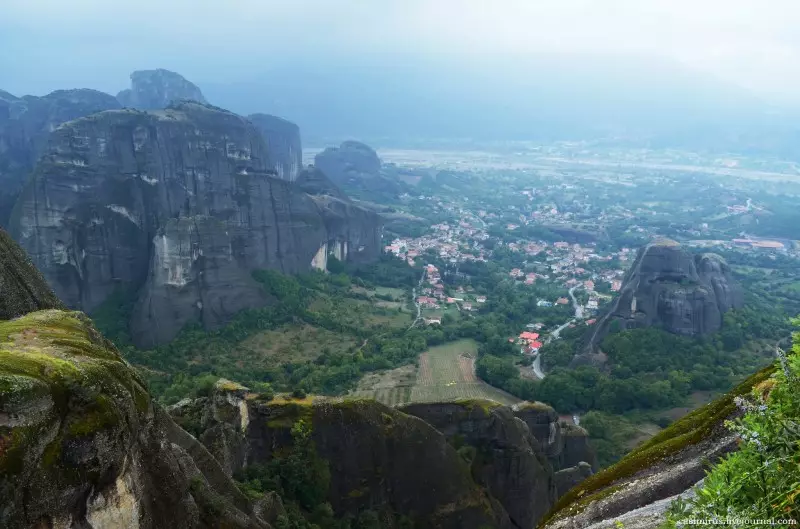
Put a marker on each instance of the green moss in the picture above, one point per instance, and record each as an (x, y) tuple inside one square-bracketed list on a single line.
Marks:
[(286, 414), (79, 380), (101, 416), (483, 404), (691, 429)]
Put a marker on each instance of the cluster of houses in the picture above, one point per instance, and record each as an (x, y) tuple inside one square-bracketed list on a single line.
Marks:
[(530, 342)]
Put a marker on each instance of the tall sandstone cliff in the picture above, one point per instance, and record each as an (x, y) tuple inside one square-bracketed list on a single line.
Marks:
[(155, 89), (669, 288), (283, 142), (181, 205), (82, 444), (25, 125)]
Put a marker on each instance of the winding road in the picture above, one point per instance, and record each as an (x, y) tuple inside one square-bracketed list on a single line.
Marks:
[(537, 362), (414, 299)]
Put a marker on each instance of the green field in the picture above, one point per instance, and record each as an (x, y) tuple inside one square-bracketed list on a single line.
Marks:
[(444, 373)]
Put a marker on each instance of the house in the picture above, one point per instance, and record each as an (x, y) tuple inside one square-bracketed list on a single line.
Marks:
[(433, 321), (589, 284), (591, 322), (467, 306), (544, 303), (451, 300), (616, 285), (481, 299), (562, 301), (592, 304), (528, 337)]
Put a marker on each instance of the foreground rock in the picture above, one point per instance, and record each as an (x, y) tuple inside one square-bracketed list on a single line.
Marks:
[(81, 442), (181, 206), (378, 457), (155, 89), (25, 125), (356, 167), (672, 289), (638, 490)]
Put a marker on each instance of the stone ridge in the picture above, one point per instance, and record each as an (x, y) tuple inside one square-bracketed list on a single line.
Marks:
[(669, 288), (181, 205)]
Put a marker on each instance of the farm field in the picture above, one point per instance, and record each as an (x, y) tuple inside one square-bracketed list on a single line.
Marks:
[(444, 373)]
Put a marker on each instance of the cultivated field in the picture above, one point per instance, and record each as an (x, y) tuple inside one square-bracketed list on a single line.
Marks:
[(445, 373)]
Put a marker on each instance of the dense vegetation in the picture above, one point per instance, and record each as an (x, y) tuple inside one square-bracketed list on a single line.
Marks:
[(760, 480)]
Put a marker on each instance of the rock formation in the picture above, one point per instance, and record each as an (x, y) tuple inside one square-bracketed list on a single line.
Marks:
[(25, 125), (379, 458), (637, 490), (507, 460), (565, 445), (355, 166), (82, 444), (669, 288), (181, 205), (155, 89), (283, 143)]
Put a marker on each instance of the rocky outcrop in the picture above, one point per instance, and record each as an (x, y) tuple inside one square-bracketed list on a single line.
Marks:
[(504, 457), (82, 444), (379, 458), (155, 89), (180, 205), (283, 143), (25, 125), (636, 491), (565, 445), (356, 167), (669, 288)]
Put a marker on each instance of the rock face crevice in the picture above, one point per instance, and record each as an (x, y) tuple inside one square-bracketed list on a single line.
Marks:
[(181, 205), (669, 288)]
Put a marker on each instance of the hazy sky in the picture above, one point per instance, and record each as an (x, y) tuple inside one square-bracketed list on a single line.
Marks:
[(49, 44)]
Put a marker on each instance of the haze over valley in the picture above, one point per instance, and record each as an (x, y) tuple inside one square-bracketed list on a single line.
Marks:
[(394, 265)]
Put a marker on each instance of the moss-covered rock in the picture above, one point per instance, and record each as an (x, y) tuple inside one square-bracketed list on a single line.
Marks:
[(378, 458), (83, 445), (667, 464)]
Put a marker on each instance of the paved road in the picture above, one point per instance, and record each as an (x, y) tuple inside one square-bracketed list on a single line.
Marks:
[(414, 298), (537, 362)]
